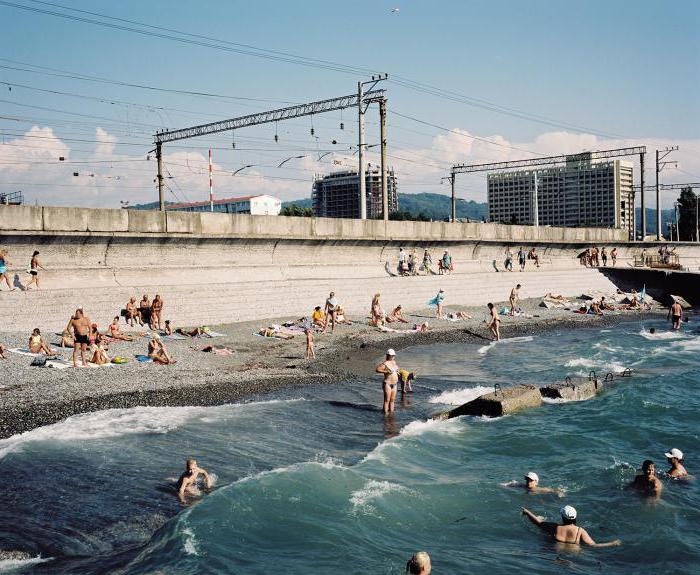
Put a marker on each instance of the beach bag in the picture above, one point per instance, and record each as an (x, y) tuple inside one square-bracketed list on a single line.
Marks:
[(39, 361), (119, 360)]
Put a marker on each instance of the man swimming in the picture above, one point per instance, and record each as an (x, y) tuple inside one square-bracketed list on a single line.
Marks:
[(568, 531), (187, 484), (532, 485), (390, 370), (675, 459), (647, 482)]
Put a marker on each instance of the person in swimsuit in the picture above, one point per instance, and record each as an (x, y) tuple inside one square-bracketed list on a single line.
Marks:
[(145, 310), (4, 262), (390, 370), (79, 326), (116, 333), (330, 309), (396, 315), (613, 256), (156, 311), (187, 484), (494, 324), (647, 482), (406, 377), (675, 459), (675, 314), (419, 564), (2, 352), (310, 353), (37, 343), (532, 485), (132, 312), (157, 351), (568, 531), (34, 267), (168, 330), (98, 350), (376, 312), (514, 298)]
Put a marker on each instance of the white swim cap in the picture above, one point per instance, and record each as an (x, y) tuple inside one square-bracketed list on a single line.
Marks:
[(532, 475), (568, 512), (677, 453), (390, 351)]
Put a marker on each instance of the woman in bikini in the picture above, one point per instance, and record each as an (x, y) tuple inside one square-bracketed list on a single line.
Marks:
[(568, 531), (34, 266), (37, 343), (390, 370), (116, 333), (156, 310), (157, 351), (4, 262)]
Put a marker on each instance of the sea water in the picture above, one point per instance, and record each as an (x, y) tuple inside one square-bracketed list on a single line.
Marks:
[(316, 480)]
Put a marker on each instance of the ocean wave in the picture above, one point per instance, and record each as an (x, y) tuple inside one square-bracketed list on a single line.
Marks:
[(190, 542), (460, 396), (662, 335), (416, 428), (113, 423), (508, 340), (601, 366), (11, 561), (362, 499)]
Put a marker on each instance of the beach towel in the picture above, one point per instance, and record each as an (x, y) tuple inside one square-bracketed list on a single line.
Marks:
[(213, 334), (266, 336), (174, 337), (143, 358), (22, 351), (58, 363)]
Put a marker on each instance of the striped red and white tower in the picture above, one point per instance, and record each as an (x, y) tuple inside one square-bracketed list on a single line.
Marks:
[(211, 186)]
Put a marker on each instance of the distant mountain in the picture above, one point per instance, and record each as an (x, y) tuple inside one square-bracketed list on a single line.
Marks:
[(667, 217), (305, 203)]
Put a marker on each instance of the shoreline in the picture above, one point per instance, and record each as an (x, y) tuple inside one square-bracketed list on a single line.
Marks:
[(256, 368)]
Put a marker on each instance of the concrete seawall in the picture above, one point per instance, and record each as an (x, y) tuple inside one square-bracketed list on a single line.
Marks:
[(213, 268)]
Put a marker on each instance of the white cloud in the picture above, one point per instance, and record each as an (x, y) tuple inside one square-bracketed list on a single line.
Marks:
[(107, 173)]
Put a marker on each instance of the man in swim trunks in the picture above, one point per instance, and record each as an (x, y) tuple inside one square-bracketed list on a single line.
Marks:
[(647, 482), (494, 324), (390, 370), (675, 313), (330, 311), (79, 324), (187, 484), (568, 531), (675, 459)]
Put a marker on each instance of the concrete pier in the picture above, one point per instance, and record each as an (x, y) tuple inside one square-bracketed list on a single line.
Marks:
[(573, 391), (499, 403)]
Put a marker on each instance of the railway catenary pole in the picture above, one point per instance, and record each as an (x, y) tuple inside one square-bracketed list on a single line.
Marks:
[(382, 138)]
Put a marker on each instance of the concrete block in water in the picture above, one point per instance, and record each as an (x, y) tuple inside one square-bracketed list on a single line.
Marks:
[(572, 391), (500, 402)]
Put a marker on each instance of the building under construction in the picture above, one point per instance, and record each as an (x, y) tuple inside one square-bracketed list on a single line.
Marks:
[(338, 194)]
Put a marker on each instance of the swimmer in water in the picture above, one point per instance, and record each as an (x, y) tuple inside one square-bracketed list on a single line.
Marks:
[(675, 459), (568, 531), (390, 370), (419, 564), (647, 482), (532, 485), (187, 484)]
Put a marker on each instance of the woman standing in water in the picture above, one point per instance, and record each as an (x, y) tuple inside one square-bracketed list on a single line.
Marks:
[(390, 370)]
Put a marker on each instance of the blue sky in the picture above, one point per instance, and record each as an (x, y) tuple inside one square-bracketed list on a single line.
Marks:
[(622, 72)]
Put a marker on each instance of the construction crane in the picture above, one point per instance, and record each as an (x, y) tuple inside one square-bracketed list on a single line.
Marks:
[(361, 100), (552, 161)]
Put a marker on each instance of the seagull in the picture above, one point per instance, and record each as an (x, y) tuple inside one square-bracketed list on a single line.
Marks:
[(395, 10)]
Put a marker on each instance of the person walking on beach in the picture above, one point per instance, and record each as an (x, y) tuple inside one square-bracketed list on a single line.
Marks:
[(419, 564), (647, 482), (437, 301), (79, 325), (604, 256), (494, 324), (509, 260), (514, 298), (675, 459), (428, 263), (187, 484), (613, 256), (568, 531), (390, 370), (4, 262), (310, 353), (522, 256), (34, 267), (331, 310), (675, 314), (447, 262)]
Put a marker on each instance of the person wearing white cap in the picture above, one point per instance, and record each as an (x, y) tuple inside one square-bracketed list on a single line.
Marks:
[(532, 484), (567, 531), (390, 370), (675, 459)]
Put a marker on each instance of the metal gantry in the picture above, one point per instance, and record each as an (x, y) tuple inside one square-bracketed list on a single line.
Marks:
[(552, 161), (361, 100)]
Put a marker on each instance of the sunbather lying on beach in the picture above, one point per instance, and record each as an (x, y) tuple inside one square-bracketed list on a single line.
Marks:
[(419, 327), (275, 331), (157, 351), (196, 332), (455, 315), (396, 315), (37, 343), (218, 350), (115, 333)]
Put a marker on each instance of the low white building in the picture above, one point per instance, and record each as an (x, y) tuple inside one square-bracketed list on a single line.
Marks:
[(262, 205)]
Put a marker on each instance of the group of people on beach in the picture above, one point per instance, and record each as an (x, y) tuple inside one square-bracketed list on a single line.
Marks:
[(32, 270), (147, 312), (522, 256), (592, 257), (408, 264)]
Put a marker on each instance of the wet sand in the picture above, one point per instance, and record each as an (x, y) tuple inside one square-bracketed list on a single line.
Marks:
[(31, 396)]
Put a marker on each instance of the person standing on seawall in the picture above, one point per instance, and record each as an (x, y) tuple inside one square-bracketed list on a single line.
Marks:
[(522, 257), (613, 256), (390, 370), (604, 256), (568, 531)]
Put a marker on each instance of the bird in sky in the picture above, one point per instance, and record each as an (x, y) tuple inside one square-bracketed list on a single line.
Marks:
[(395, 10)]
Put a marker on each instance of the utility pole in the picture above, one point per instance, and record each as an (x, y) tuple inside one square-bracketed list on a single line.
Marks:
[(382, 138), (211, 186), (451, 179), (536, 220), (159, 158), (361, 109), (660, 155), (644, 209)]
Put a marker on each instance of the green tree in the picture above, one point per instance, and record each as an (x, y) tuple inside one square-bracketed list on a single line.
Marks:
[(296, 211), (687, 215)]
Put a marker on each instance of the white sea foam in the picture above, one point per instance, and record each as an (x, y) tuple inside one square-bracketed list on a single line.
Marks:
[(119, 422), (508, 340), (363, 498), (15, 564), (446, 426), (484, 349), (692, 345), (593, 364), (662, 335), (460, 396), (190, 543)]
